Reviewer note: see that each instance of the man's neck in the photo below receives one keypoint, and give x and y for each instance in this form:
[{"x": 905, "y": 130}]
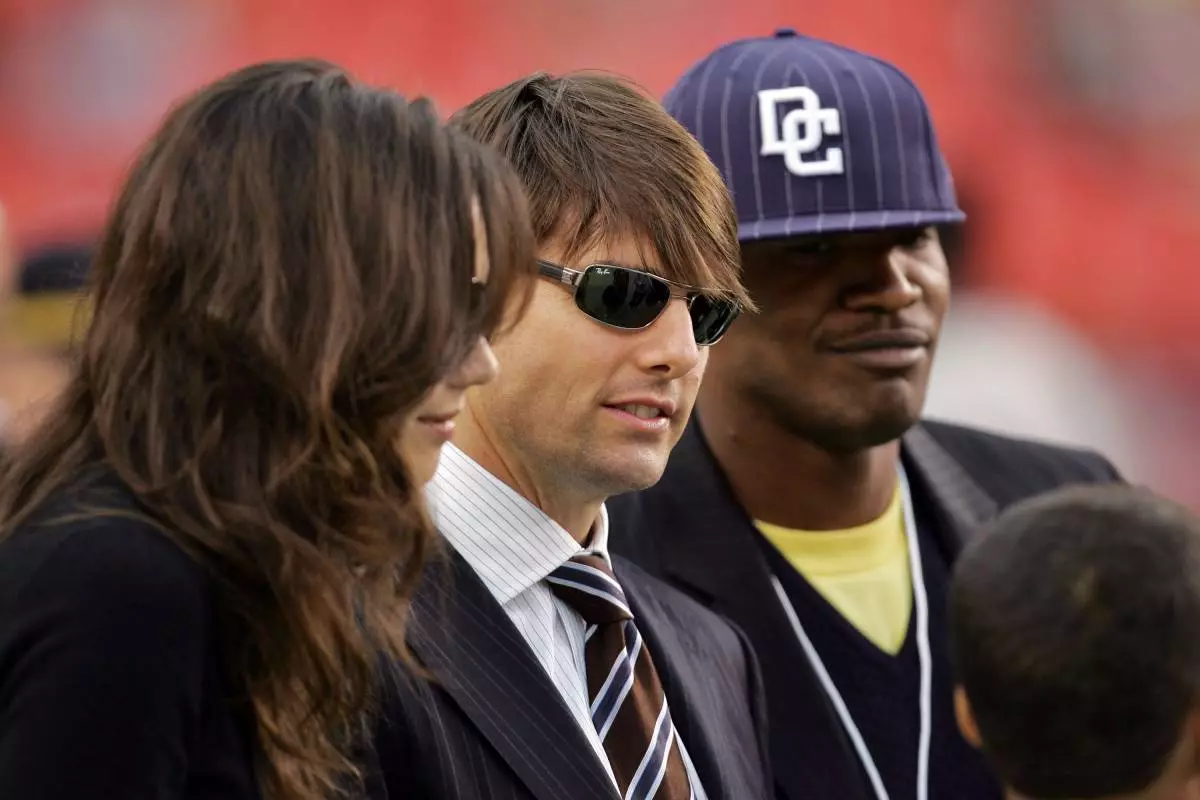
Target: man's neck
[
  {"x": 577, "y": 515},
  {"x": 787, "y": 481}
]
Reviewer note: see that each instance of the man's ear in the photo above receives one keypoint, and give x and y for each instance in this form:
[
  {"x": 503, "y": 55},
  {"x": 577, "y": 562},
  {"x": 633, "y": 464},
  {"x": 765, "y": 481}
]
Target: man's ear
[{"x": 966, "y": 718}]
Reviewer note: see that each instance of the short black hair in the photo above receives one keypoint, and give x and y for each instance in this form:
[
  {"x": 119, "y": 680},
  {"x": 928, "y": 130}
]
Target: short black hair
[{"x": 1075, "y": 630}]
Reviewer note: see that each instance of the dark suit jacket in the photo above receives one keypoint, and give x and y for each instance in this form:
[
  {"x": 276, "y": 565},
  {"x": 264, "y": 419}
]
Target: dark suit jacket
[
  {"x": 113, "y": 679},
  {"x": 690, "y": 530},
  {"x": 489, "y": 723}
]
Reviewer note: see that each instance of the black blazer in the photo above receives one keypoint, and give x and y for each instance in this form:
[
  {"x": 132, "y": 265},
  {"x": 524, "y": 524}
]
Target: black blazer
[
  {"x": 489, "y": 723},
  {"x": 690, "y": 530},
  {"x": 112, "y": 680}
]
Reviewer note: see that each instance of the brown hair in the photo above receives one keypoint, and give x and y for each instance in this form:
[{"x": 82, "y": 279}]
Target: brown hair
[
  {"x": 598, "y": 158},
  {"x": 284, "y": 276}
]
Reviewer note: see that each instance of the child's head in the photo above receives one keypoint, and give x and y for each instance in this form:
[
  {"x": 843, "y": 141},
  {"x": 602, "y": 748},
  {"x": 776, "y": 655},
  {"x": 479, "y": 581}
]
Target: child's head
[{"x": 1075, "y": 624}]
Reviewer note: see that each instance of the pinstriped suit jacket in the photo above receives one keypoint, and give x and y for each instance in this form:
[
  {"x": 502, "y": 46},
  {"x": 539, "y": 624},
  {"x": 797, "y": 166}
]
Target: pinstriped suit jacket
[
  {"x": 489, "y": 724},
  {"x": 690, "y": 530}
]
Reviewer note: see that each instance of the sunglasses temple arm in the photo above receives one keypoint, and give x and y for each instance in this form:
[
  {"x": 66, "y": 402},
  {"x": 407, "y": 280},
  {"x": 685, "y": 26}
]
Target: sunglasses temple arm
[{"x": 568, "y": 277}]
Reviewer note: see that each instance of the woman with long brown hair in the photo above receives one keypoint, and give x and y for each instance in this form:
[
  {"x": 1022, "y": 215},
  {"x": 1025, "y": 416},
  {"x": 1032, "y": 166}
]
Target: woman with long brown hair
[{"x": 207, "y": 550}]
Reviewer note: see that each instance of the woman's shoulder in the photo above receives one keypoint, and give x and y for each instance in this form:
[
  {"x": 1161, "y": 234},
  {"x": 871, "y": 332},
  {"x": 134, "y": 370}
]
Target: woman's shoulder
[
  {"x": 90, "y": 549},
  {"x": 109, "y": 656}
]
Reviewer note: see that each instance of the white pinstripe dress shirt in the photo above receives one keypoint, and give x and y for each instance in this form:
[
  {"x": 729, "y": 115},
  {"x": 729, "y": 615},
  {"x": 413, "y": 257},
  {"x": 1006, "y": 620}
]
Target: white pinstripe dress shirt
[{"x": 512, "y": 545}]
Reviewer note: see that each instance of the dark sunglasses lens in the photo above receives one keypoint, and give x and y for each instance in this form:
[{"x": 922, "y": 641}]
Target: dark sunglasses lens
[
  {"x": 711, "y": 318},
  {"x": 622, "y": 298}
]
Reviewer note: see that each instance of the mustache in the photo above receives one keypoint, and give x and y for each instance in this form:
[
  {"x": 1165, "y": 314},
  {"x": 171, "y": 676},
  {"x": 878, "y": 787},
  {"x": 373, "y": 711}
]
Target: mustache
[{"x": 901, "y": 331}]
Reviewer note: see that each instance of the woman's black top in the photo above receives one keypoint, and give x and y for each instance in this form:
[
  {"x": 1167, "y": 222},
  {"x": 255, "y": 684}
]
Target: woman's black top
[{"x": 112, "y": 680}]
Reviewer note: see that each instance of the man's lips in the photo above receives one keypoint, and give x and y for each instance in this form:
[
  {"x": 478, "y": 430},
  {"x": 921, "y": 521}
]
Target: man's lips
[
  {"x": 893, "y": 339},
  {"x": 646, "y": 406},
  {"x": 644, "y": 412}
]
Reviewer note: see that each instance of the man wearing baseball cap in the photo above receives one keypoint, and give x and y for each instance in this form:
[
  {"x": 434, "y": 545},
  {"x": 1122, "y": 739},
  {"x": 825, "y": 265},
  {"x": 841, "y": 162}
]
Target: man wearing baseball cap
[{"x": 807, "y": 501}]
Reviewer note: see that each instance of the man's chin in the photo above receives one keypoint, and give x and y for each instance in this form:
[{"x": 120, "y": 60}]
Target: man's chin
[
  {"x": 623, "y": 473},
  {"x": 885, "y": 416},
  {"x": 874, "y": 431},
  {"x": 882, "y": 430}
]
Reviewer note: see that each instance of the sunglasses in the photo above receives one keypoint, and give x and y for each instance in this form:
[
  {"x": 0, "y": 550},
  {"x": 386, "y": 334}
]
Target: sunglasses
[{"x": 631, "y": 299}]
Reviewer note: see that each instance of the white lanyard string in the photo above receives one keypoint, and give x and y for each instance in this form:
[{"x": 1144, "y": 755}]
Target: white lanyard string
[{"x": 921, "y": 606}]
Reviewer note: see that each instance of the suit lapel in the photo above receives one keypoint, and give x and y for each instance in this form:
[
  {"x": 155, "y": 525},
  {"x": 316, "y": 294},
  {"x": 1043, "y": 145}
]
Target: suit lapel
[
  {"x": 963, "y": 505},
  {"x": 463, "y": 636},
  {"x": 710, "y": 546}
]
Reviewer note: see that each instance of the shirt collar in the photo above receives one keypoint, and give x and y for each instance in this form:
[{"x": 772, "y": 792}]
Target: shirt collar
[{"x": 510, "y": 543}]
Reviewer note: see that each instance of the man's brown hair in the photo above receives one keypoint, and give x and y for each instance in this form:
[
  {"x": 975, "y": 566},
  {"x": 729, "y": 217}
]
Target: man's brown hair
[
  {"x": 285, "y": 275},
  {"x": 599, "y": 158}
]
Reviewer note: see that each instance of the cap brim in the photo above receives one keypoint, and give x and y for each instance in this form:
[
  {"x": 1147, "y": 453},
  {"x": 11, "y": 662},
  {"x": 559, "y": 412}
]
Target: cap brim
[{"x": 842, "y": 223}]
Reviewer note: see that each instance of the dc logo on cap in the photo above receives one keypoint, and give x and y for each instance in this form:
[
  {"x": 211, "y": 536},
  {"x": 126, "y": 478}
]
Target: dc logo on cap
[{"x": 786, "y": 139}]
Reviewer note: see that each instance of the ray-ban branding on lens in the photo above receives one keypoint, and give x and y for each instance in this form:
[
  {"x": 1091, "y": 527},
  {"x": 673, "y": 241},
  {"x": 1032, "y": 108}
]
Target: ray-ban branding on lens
[{"x": 631, "y": 299}]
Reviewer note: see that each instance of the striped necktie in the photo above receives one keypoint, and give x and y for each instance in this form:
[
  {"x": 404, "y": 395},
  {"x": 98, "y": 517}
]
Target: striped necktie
[{"x": 628, "y": 706}]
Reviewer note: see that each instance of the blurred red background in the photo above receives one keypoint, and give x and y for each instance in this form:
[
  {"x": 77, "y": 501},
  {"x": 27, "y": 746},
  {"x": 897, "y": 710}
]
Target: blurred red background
[{"x": 1072, "y": 125}]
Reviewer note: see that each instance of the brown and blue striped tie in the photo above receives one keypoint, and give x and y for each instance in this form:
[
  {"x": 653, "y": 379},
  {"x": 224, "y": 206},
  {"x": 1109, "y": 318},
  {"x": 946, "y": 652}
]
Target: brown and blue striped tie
[{"x": 628, "y": 706}]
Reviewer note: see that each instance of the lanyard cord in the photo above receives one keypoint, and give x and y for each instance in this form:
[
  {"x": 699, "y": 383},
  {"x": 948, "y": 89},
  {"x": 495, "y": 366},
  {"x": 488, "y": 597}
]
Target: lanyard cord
[{"x": 921, "y": 607}]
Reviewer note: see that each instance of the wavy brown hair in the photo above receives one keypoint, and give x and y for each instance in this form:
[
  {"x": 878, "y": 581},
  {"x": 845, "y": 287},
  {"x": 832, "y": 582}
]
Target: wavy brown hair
[{"x": 284, "y": 276}]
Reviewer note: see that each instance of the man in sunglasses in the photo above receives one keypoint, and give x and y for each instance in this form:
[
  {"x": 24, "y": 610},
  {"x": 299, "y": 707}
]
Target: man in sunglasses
[
  {"x": 559, "y": 671},
  {"x": 807, "y": 501}
]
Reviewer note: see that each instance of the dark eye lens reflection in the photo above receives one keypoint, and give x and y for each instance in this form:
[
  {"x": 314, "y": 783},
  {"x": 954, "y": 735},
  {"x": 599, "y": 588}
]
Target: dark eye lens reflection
[
  {"x": 631, "y": 299},
  {"x": 710, "y": 318},
  {"x": 620, "y": 297}
]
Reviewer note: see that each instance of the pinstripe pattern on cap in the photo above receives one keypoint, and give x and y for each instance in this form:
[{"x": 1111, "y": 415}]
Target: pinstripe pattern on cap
[{"x": 892, "y": 172}]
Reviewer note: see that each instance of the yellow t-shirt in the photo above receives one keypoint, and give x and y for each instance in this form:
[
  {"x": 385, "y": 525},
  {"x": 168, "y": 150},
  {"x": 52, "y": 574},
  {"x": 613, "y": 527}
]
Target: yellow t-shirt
[{"x": 863, "y": 572}]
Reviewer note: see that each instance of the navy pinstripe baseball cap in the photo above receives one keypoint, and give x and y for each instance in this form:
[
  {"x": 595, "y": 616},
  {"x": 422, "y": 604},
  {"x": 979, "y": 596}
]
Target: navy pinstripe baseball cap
[{"x": 812, "y": 137}]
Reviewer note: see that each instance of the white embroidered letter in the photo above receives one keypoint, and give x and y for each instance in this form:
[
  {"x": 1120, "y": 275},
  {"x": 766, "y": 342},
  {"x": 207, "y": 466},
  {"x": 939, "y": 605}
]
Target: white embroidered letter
[{"x": 786, "y": 139}]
